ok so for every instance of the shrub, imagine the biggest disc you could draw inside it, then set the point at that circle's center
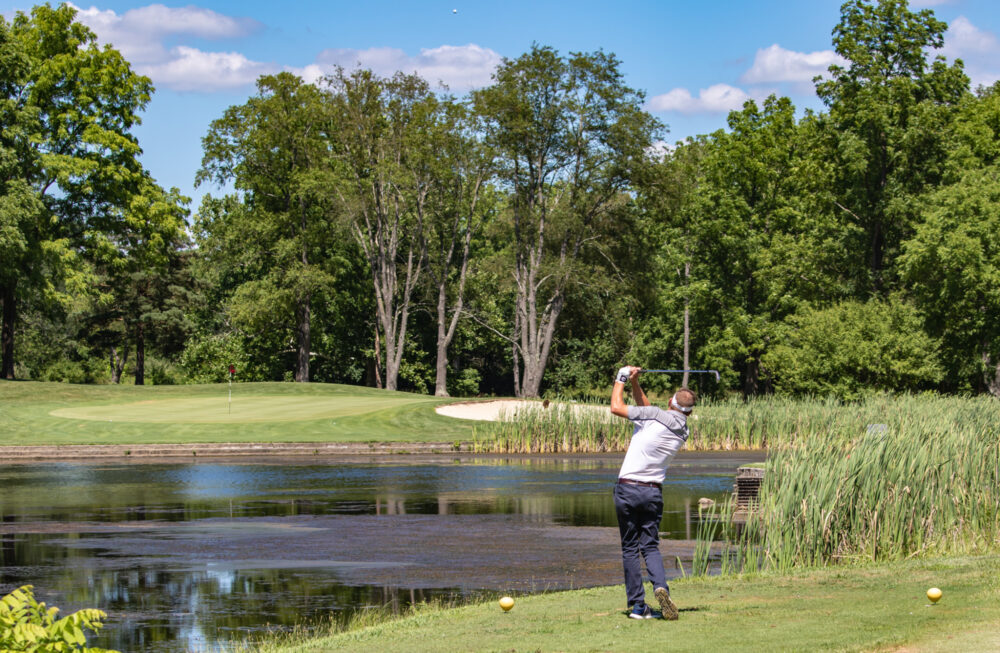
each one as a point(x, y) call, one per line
point(416, 375)
point(162, 372)
point(90, 370)
point(464, 383)
point(206, 359)
point(27, 625)
point(853, 348)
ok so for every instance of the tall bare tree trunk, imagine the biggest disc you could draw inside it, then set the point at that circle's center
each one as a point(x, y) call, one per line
point(302, 313)
point(379, 239)
point(394, 322)
point(140, 354)
point(751, 379)
point(992, 384)
point(117, 364)
point(443, 340)
point(378, 360)
point(447, 334)
point(516, 356)
point(536, 337)
point(9, 300)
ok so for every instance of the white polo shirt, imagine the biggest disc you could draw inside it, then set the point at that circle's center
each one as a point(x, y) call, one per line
point(658, 435)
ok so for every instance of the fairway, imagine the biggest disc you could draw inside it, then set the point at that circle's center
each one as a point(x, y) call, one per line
point(216, 410)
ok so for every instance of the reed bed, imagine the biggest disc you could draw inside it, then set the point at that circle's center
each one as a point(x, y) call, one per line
point(557, 428)
point(729, 424)
point(924, 479)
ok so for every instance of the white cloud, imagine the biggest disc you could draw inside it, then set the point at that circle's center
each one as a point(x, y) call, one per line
point(460, 67)
point(963, 38)
point(977, 48)
point(140, 35)
point(158, 20)
point(775, 70)
point(718, 98)
point(153, 37)
point(776, 64)
point(190, 69)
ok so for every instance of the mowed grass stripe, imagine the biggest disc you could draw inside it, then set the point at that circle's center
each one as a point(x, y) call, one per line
point(203, 410)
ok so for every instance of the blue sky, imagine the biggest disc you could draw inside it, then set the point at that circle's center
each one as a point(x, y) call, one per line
point(694, 60)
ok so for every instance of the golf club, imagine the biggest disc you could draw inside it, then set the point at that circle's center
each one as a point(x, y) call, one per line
point(715, 372)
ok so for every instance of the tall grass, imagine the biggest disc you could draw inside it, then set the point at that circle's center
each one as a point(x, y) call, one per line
point(729, 424)
point(558, 428)
point(924, 478)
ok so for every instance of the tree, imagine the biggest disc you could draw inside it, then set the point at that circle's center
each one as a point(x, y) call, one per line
point(670, 200)
point(383, 149)
point(460, 203)
point(888, 114)
point(67, 157)
point(952, 262)
point(275, 149)
point(747, 237)
point(568, 134)
point(138, 286)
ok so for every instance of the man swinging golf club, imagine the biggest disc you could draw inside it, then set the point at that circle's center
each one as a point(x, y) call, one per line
point(658, 435)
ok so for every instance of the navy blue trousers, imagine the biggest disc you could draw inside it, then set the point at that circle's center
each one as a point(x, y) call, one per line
point(639, 509)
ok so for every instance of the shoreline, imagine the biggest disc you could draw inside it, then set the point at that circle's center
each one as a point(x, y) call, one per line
point(352, 452)
point(223, 449)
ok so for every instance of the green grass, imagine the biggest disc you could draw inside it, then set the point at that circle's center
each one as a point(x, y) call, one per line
point(874, 608)
point(56, 413)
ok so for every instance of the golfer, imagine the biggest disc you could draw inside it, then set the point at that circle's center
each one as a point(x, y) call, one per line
point(658, 435)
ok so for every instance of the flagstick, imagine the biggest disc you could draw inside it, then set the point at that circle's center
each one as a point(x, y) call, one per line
point(230, 393)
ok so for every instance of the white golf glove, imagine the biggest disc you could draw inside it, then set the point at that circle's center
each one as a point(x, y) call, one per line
point(623, 374)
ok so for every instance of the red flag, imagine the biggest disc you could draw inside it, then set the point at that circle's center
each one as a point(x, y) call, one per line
point(232, 370)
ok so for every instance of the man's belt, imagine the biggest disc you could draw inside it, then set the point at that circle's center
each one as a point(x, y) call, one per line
point(628, 481)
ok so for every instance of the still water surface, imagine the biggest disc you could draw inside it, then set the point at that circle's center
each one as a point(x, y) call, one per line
point(187, 556)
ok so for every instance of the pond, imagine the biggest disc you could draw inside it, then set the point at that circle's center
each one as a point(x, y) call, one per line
point(187, 556)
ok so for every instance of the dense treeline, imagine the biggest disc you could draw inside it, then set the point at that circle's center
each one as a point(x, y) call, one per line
point(523, 239)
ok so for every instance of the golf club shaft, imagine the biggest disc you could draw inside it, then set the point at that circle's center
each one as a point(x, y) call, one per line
point(715, 372)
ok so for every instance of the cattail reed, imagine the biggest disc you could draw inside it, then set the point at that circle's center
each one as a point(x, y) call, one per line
point(560, 428)
point(887, 479)
point(722, 425)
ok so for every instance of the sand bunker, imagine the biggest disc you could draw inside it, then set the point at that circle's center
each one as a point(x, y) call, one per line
point(490, 411)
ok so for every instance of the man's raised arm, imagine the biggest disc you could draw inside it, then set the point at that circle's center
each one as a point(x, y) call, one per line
point(637, 393)
point(618, 405)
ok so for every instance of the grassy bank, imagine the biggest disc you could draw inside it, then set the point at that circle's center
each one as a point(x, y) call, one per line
point(874, 608)
point(56, 413)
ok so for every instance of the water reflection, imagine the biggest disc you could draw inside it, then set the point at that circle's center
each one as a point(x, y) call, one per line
point(188, 556)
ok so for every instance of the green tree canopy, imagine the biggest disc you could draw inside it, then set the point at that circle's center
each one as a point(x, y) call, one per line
point(275, 148)
point(67, 155)
point(569, 135)
point(889, 110)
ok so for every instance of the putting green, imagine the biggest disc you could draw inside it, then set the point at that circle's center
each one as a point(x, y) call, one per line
point(216, 410)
